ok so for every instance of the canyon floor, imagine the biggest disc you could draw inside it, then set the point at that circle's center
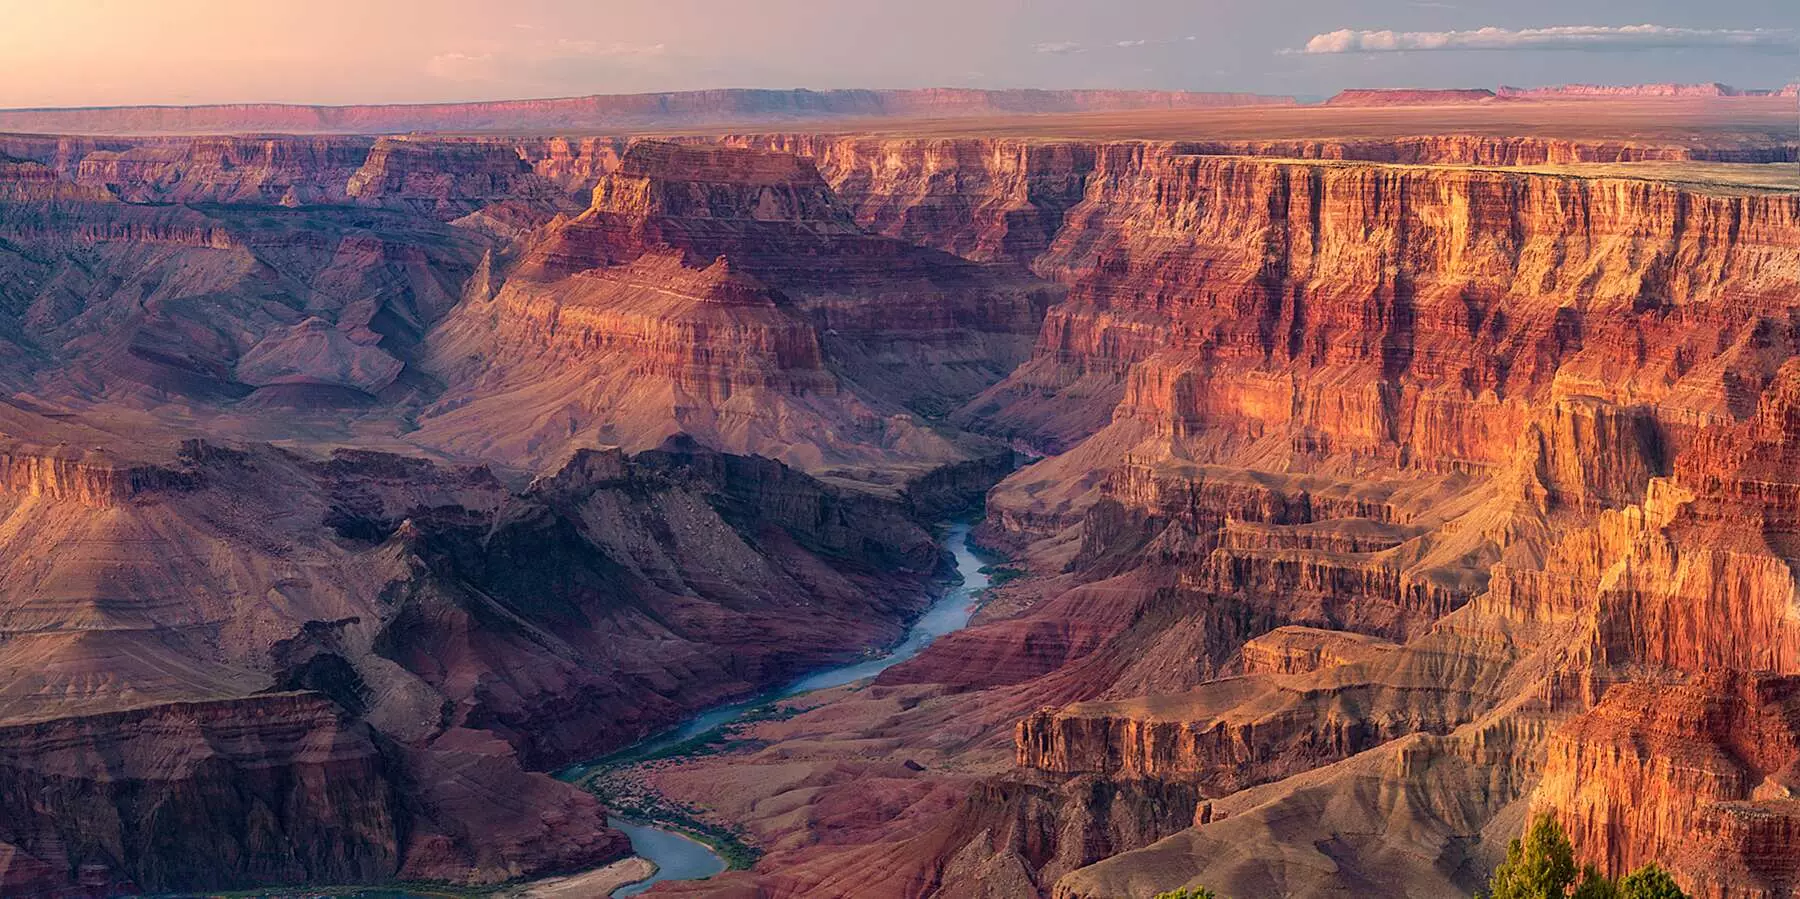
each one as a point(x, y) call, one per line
point(1363, 482)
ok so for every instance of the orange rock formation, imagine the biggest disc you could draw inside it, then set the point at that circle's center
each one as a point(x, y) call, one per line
point(1397, 485)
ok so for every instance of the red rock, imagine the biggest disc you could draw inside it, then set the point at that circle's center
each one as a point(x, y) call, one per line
point(1665, 90)
point(1407, 97)
point(704, 292)
point(1396, 493)
point(1697, 777)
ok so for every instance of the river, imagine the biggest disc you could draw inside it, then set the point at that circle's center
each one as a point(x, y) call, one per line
point(678, 857)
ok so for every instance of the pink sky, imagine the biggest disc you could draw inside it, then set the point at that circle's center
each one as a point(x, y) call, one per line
point(98, 52)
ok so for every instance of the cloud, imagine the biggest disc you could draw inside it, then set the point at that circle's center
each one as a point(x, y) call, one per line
point(568, 47)
point(1151, 42)
point(1566, 37)
point(1063, 48)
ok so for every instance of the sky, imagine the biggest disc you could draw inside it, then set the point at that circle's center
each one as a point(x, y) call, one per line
point(107, 52)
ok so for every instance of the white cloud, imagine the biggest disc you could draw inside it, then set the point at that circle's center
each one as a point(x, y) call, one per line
point(568, 47)
point(1060, 47)
point(1567, 37)
point(1131, 43)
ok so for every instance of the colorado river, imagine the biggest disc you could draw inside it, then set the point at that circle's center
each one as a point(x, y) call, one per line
point(680, 858)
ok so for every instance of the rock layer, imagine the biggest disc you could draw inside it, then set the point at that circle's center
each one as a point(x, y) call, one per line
point(1394, 491)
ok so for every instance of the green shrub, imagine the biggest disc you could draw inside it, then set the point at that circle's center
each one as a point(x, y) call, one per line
point(1542, 866)
point(1188, 893)
point(1650, 882)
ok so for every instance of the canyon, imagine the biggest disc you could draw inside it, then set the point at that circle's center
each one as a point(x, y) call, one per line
point(1370, 478)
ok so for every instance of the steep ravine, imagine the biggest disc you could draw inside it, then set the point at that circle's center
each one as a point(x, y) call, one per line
point(680, 857)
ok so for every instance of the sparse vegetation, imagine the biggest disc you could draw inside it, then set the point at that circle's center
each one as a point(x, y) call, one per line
point(1188, 893)
point(1649, 882)
point(1542, 866)
point(1001, 574)
point(611, 780)
point(656, 810)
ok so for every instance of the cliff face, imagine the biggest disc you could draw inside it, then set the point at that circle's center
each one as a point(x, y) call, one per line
point(96, 480)
point(1698, 777)
point(1600, 91)
point(980, 199)
point(440, 177)
point(132, 302)
point(270, 789)
point(1408, 97)
point(227, 170)
point(194, 768)
point(1391, 312)
point(1374, 480)
point(728, 294)
point(400, 640)
point(1560, 405)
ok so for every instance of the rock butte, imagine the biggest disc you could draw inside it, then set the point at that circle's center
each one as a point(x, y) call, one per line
point(1401, 472)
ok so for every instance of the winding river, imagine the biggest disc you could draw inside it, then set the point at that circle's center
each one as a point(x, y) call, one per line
point(678, 857)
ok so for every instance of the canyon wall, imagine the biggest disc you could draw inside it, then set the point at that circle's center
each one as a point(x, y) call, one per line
point(729, 295)
point(1436, 458)
point(1391, 492)
point(1552, 402)
point(229, 666)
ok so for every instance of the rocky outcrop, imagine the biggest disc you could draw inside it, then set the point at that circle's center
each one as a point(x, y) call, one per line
point(1302, 650)
point(97, 480)
point(268, 171)
point(1697, 777)
point(1613, 92)
point(277, 788)
point(308, 796)
point(113, 298)
point(981, 199)
point(1226, 271)
point(314, 352)
point(446, 177)
point(1013, 835)
point(1300, 451)
point(32, 182)
point(725, 294)
point(1407, 97)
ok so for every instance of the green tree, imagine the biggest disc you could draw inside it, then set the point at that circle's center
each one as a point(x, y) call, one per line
point(1650, 882)
point(1541, 866)
point(1595, 885)
point(1188, 893)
